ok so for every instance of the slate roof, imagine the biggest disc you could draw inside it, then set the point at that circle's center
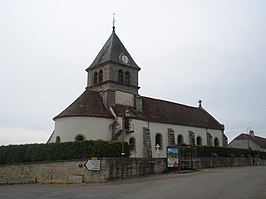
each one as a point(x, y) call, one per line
point(111, 51)
point(256, 139)
point(88, 104)
point(154, 110)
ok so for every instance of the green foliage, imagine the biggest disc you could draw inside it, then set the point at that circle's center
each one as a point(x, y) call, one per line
point(209, 151)
point(61, 151)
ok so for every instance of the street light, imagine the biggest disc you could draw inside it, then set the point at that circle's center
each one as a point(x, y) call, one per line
point(125, 126)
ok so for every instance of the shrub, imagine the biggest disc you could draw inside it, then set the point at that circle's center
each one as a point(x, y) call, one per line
point(61, 151)
point(208, 151)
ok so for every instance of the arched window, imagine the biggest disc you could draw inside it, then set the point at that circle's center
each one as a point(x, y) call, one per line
point(100, 76)
point(159, 140)
point(79, 138)
point(127, 77)
point(216, 142)
point(191, 138)
point(95, 78)
point(57, 139)
point(199, 140)
point(180, 139)
point(120, 76)
point(132, 144)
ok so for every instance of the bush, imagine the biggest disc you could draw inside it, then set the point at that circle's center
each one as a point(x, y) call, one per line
point(61, 151)
point(207, 151)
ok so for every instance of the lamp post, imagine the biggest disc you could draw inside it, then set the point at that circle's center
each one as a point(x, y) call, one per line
point(125, 116)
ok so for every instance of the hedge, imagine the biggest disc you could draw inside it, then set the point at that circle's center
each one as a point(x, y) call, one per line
point(61, 151)
point(208, 151)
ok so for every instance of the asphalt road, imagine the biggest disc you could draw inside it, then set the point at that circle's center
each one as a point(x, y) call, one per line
point(222, 183)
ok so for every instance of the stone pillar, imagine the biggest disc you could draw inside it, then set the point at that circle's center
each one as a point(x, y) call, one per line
point(147, 152)
point(171, 137)
point(108, 98)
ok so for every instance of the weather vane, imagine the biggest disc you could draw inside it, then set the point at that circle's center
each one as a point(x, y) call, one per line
point(114, 21)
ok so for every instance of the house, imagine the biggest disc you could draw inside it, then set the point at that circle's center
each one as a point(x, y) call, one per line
point(250, 140)
point(111, 108)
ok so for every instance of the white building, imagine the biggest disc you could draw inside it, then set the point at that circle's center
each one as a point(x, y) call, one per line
point(112, 89)
point(249, 141)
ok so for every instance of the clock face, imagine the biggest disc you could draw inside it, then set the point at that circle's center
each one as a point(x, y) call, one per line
point(124, 59)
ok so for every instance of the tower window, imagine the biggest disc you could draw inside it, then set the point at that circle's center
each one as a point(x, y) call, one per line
point(127, 77)
point(100, 76)
point(120, 76)
point(95, 78)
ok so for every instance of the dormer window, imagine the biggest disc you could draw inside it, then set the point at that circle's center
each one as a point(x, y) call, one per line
point(120, 76)
point(127, 77)
point(100, 76)
point(95, 78)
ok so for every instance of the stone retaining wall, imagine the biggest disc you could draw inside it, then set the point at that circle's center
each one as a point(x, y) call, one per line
point(74, 171)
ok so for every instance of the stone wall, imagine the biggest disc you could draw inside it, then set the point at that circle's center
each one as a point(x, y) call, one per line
point(74, 171)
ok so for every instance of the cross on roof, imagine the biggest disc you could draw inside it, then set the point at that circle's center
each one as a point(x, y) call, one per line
point(114, 21)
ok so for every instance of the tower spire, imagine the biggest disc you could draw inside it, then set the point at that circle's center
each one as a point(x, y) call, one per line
point(114, 21)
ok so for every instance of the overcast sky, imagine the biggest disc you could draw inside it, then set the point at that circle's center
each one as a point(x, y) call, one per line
point(187, 50)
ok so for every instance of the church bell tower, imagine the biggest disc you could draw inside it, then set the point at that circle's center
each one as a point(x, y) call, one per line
point(114, 75)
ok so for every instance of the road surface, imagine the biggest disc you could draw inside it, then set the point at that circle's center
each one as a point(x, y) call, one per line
point(221, 183)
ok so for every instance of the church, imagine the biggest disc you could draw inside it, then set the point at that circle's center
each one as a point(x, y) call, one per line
point(111, 108)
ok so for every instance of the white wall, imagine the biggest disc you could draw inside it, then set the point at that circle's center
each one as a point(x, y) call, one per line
point(163, 130)
point(93, 128)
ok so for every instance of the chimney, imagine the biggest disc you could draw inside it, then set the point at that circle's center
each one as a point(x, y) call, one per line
point(251, 132)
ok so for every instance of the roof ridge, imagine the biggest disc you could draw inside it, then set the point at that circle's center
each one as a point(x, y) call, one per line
point(170, 102)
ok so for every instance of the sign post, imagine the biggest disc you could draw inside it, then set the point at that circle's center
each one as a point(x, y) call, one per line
point(93, 164)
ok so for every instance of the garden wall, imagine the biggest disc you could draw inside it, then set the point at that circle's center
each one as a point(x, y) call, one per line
point(74, 171)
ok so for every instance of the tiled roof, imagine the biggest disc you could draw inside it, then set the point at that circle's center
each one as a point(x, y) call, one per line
point(111, 52)
point(88, 104)
point(256, 139)
point(154, 110)
point(161, 111)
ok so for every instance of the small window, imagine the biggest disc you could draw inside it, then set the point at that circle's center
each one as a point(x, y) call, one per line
point(100, 76)
point(199, 140)
point(159, 140)
point(127, 77)
point(79, 138)
point(216, 142)
point(120, 76)
point(180, 139)
point(95, 78)
point(132, 144)
point(57, 139)
point(191, 138)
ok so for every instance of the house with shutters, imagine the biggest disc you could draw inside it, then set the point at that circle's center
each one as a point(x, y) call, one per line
point(111, 108)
